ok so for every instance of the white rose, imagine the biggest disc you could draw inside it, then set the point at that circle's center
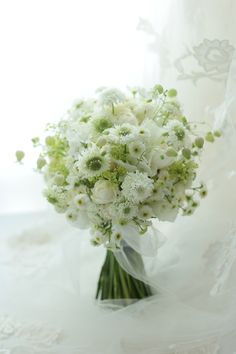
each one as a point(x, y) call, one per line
point(104, 192)
point(127, 117)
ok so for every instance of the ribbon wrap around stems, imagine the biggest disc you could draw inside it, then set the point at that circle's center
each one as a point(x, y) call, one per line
point(146, 246)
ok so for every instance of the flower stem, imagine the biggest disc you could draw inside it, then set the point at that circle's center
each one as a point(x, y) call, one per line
point(115, 283)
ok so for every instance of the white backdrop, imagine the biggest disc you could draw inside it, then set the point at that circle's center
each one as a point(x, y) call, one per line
point(52, 52)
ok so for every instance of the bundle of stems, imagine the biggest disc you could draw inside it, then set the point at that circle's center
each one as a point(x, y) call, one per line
point(115, 283)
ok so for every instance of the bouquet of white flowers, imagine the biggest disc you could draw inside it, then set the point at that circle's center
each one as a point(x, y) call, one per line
point(116, 162)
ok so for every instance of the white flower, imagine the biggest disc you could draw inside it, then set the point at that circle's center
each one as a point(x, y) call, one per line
point(104, 192)
point(137, 187)
point(57, 196)
point(145, 212)
point(124, 210)
point(109, 96)
point(151, 132)
point(101, 123)
point(78, 219)
point(97, 237)
point(125, 115)
point(123, 134)
point(177, 135)
point(114, 162)
point(136, 148)
point(143, 111)
point(159, 159)
point(117, 234)
point(92, 162)
point(81, 201)
point(164, 211)
point(143, 166)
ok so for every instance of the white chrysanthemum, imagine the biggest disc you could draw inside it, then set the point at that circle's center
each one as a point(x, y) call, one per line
point(137, 187)
point(123, 134)
point(109, 96)
point(92, 163)
point(136, 148)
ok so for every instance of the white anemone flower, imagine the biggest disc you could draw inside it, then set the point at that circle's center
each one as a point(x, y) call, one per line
point(123, 134)
point(92, 163)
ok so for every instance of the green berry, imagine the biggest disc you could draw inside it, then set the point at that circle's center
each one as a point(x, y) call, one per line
point(159, 89)
point(41, 162)
point(186, 153)
point(20, 155)
point(199, 142)
point(210, 137)
point(171, 153)
point(50, 140)
point(172, 92)
point(35, 140)
point(217, 133)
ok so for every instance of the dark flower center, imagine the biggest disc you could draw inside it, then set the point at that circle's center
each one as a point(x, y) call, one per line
point(95, 163)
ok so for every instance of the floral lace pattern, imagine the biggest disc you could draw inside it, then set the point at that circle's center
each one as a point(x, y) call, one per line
point(207, 348)
point(220, 257)
point(28, 334)
point(210, 59)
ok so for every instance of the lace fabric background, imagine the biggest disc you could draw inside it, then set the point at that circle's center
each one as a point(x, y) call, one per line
point(48, 271)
